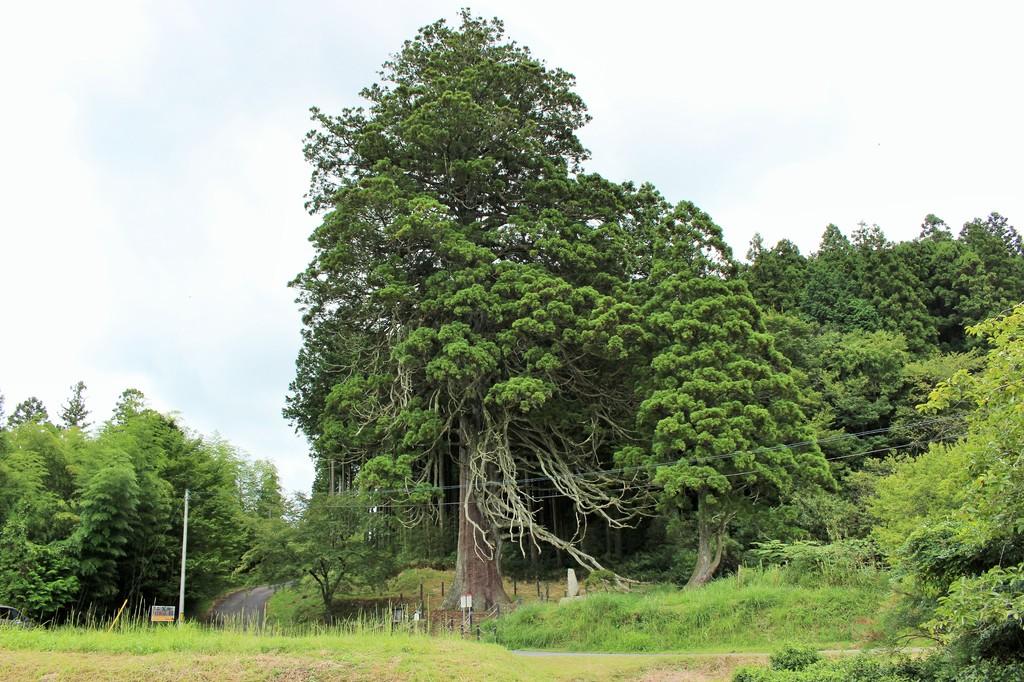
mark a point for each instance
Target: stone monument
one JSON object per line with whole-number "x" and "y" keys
{"x": 572, "y": 586}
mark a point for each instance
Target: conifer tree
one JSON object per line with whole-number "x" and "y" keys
{"x": 130, "y": 403}
{"x": 719, "y": 401}
{"x": 74, "y": 413}
{"x": 467, "y": 292}
{"x": 990, "y": 273}
{"x": 933, "y": 257}
{"x": 892, "y": 288}
{"x": 776, "y": 276}
{"x": 835, "y": 282}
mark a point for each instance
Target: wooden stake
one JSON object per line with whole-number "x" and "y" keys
{"x": 114, "y": 622}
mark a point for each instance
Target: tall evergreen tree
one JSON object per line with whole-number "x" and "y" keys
{"x": 991, "y": 270}
{"x": 933, "y": 257}
{"x": 776, "y": 277}
{"x": 74, "y": 413}
{"x": 475, "y": 289}
{"x": 719, "y": 401}
{"x": 892, "y": 288}
{"x": 833, "y": 295}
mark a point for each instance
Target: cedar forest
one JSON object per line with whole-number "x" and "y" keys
{"x": 512, "y": 366}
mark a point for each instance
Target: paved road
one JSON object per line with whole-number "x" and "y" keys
{"x": 246, "y": 607}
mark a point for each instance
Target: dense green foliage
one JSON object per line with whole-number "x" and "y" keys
{"x": 344, "y": 543}
{"x": 951, "y": 524}
{"x": 89, "y": 519}
{"x": 853, "y": 669}
{"x": 794, "y": 657}
{"x": 875, "y": 668}
{"x": 967, "y": 550}
{"x": 927, "y": 290}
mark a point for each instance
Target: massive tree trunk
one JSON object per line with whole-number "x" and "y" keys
{"x": 710, "y": 542}
{"x": 478, "y": 556}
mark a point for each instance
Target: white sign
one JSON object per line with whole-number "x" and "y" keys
{"x": 466, "y": 601}
{"x": 161, "y": 614}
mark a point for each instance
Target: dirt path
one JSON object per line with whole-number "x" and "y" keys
{"x": 247, "y": 607}
{"x": 832, "y": 653}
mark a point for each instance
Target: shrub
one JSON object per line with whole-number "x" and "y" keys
{"x": 990, "y": 671}
{"x": 794, "y": 657}
{"x": 860, "y": 669}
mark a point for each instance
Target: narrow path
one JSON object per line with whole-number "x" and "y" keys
{"x": 708, "y": 654}
{"x": 245, "y": 607}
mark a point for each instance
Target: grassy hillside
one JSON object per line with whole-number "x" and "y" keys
{"x": 752, "y": 612}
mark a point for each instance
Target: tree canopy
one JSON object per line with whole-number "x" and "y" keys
{"x": 476, "y": 299}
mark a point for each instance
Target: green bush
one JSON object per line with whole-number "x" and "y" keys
{"x": 990, "y": 671}
{"x": 938, "y": 667}
{"x": 794, "y": 657}
{"x": 859, "y": 669}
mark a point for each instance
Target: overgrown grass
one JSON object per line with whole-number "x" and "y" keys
{"x": 752, "y": 611}
{"x": 143, "y": 638}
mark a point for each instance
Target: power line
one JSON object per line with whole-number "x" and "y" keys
{"x": 410, "y": 505}
{"x": 693, "y": 461}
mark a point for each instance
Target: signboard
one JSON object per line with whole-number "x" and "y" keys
{"x": 466, "y": 601}
{"x": 161, "y": 614}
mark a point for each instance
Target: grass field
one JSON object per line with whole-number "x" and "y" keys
{"x": 195, "y": 652}
{"x": 754, "y": 611}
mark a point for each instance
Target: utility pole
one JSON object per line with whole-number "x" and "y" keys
{"x": 184, "y": 548}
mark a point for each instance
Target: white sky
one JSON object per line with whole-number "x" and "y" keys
{"x": 151, "y": 175}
